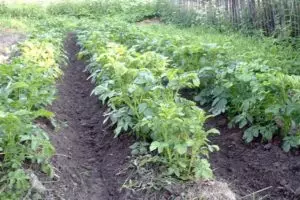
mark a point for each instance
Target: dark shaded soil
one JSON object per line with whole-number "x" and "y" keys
{"x": 88, "y": 160}
{"x": 253, "y": 167}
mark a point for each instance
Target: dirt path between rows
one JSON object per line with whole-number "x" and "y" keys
{"x": 88, "y": 158}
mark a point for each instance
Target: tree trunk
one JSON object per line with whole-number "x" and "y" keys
{"x": 252, "y": 13}
{"x": 234, "y": 13}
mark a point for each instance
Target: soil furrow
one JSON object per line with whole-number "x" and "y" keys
{"x": 88, "y": 157}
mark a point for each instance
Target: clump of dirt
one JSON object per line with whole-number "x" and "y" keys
{"x": 263, "y": 170}
{"x": 88, "y": 158}
{"x": 8, "y": 41}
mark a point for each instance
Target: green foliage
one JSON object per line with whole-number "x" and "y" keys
{"x": 263, "y": 99}
{"x": 138, "y": 72}
{"x": 22, "y": 10}
{"x": 173, "y": 14}
{"x": 271, "y": 18}
{"x": 131, "y": 11}
{"x": 27, "y": 85}
{"x": 258, "y": 97}
{"x": 131, "y": 84}
{"x": 236, "y": 47}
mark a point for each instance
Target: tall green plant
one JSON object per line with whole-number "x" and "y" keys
{"x": 142, "y": 93}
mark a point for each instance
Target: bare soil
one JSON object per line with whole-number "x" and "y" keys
{"x": 88, "y": 158}
{"x": 249, "y": 168}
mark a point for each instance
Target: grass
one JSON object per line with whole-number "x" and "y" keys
{"x": 15, "y": 24}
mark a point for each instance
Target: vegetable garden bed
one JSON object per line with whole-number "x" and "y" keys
{"x": 164, "y": 100}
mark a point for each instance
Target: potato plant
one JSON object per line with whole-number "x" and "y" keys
{"x": 262, "y": 99}
{"x": 141, "y": 89}
{"x": 27, "y": 85}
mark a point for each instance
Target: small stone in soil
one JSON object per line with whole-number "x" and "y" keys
{"x": 91, "y": 160}
{"x": 88, "y": 167}
{"x": 283, "y": 182}
{"x": 276, "y": 164}
{"x": 268, "y": 146}
{"x": 85, "y": 124}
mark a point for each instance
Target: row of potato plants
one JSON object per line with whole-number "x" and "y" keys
{"x": 141, "y": 91}
{"x": 27, "y": 86}
{"x": 262, "y": 99}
